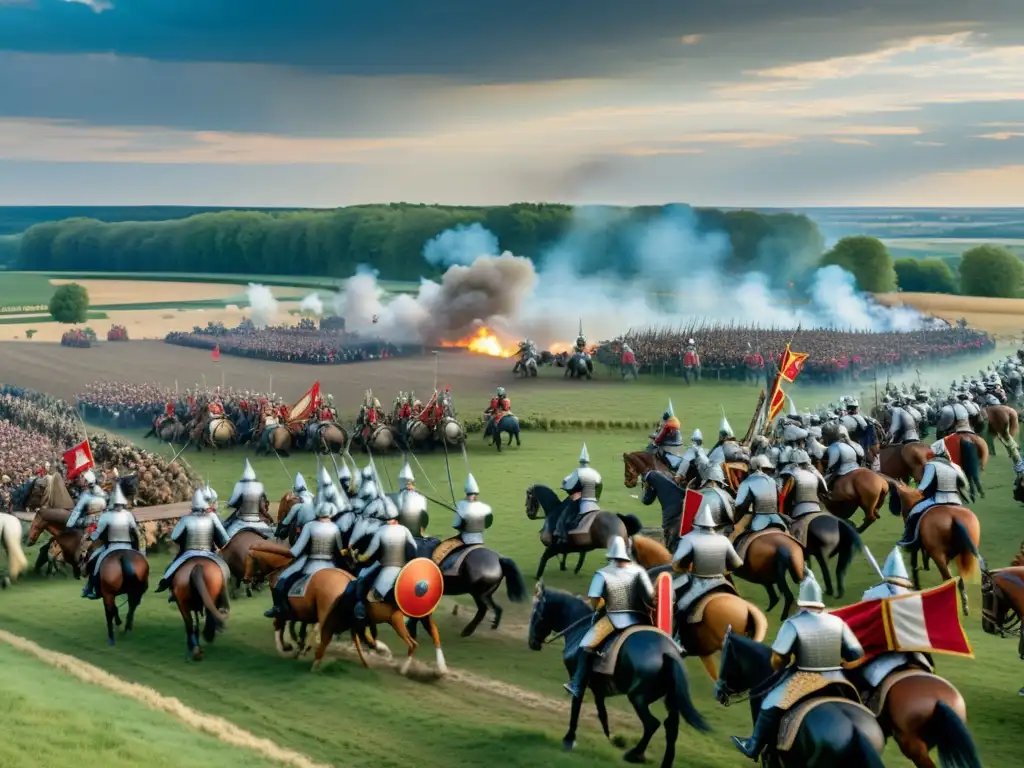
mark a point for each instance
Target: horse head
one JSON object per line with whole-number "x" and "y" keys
{"x": 43, "y": 521}
{"x": 539, "y": 629}
{"x": 636, "y": 464}
{"x": 744, "y": 664}
{"x": 532, "y": 503}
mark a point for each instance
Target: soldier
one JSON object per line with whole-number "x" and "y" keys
{"x": 712, "y": 556}
{"x": 712, "y": 488}
{"x": 412, "y": 505}
{"x": 758, "y": 495}
{"x": 584, "y": 486}
{"x": 472, "y": 516}
{"x": 325, "y": 488}
{"x": 942, "y": 482}
{"x": 368, "y": 489}
{"x": 793, "y": 438}
{"x": 695, "y": 450}
{"x": 196, "y": 535}
{"x": 318, "y": 544}
{"x": 954, "y": 417}
{"x": 91, "y": 504}
{"x": 842, "y": 455}
{"x": 246, "y": 500}
{"x": 300, "y": 514}
{"x": 299, "y": 489}
{"x": 627, "y": 593}
{"x": 331, "y": 409}
{"x": 669, "y": 439}
{"x": 392, "y": 547}
{"x": 727, "y": 449}
{"x": 819, "y": 642}
{"x": 117, "y": 529}
{"x": 903, "y": 428}
{"x": 499, "y": 406}
{"x": 807, "y": 485}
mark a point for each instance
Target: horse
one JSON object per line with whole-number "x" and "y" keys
{"x": 525, "y": 366}
{"x": 904, "y": 461}
{"x": 236, "y": 555}
{"x": 123, "y": 572}
{"x": 169, "y": 431}
{"x": 219, "y": 433}
{"x": 450, "y": 432}
{"x": 831, "y": 734}
{"x": 278, "y": 439}
{"x": 648, "y": 667}
{"x": 381, "y": 439}
{"x": 54, "y": 522}
{"x": 415, "y": 433}
{"x": 604, "y": 526}
{"x": 579, "y": 366}
{"x": 508, "y": 424}
{"x": 858, "y": 489}
{"x": 198, "y": 587}
{"x": 945, "y": 532}
{"x": 999, "y": 421}
{"x": 662, "y": 487}
{"x": 638, "y": 463}
{"x": 10, "y": 537}
{"x": 974, "y": 458}
{"x": 1002, "y": 603}
{"x": 327, "y": 438}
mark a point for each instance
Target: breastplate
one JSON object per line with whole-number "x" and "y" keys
{"x": 819, "y": 643}
{"x": 589, "y": 480}
{"x": 323, "y": 539}
{"x": 249, "y": 509}
{"x": 733, "y": 451}
{"x": 709, "y": 554}
{"x": 392, "y": 546}
{"x": 806, "y": 486}
{"x": 96, "y": 504}
{"x": 474, "y": 516}
{"x": 199, "y": 533}
{"x": 946, "y": 478}
{"x": 411, "y": 505}
{"x": 763, "y": 490}
{"x": 119, "y": 527}
{"x": 622, "y": 589}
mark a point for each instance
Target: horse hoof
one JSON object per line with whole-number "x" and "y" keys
{"x": 633, "y": 757}
{"x": 110, "y": 641}
{"x": 568, "y": 745}
{"x": 404, "y": 669}
{"x": 5, "y": 582}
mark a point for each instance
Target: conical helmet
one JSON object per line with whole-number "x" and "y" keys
{"x": 895, "y": 571}
{"x": 248, "y": 474}
{"x": 584, "y": 456}
{"x": 368, "y": 472}
{"x": 211, "y": 495}
{"x": 300, "y": 483}
{"x": 724, "y": 429}
{"x": 670, "y": 410}
{"x": 323, "y": 477}
{"x": 704, "y": 519}
{"x": 405, "y": 475}
{"x": 471, "y": 488}
{"x": 712, "y": 470}
{"x": 326, "y": 508}
{"x": 697, "y": 436}
{"x": 388, "y": 510}
{"x": 617, "y": 549}
{"x": 117, "y": 498}
{"x": 810, "y": 592}
{"x": 199, "y": 502}
{"x": 344, "y": 473}
{"x": 792, "y": 408}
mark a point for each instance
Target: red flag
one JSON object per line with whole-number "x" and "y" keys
{"x": 304, "y": 407}
{"x": 79, "y": 459}
{"x": 928, "y": 622}
{"x": 791, "y": 365}
{"x": 691, "y": 506}
{"x": 216, "y": 354}
{"x": 953, "y": 448}
{"x": 778, "y": 400}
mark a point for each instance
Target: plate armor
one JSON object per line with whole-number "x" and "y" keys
{"x": 712, "y": 555}
{"x": 954, "y": 418}
{"x": 842, "y": 458}
{"x": 904, "y": 426}
{"x": 118, "y": 530}
{"x": 627, "y": 592}
{"x": 197, "y": 535}
{"x": 472, "y": 518}
{"x": 721, "y": 505}
{"x": 392, "y": 543}
{"x": 941, "y": 482}
{"x": 807, "y": 484}
{"x": 412, "y": 511}
{"x": 319, "y": 542}
{"x": 728, "y": 451}
{"x": 246, "y": 500}
{"x": 589, "y": 481}
{"x": 90, "y": 506}
{"x": 761, "y": 493}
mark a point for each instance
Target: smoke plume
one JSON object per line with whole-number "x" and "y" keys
{"x": 671, "y": 273}
{"x": 312, "y": 305}
{"x": 263, "y": 306}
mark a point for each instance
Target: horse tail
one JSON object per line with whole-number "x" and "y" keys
{"x": 130, "y": 579}
{"x": 951, "y": 737}
{"x": 971, "y": 463}
{"x": 849, "y": 542}
{"x": 197, "y": 583}
{"x": 868, "y": 755}
{"x": 784, "y": 564}
{"x": 11, "y": 534}
{"x": 757, "y": 623}
{"x": 1012, "y": 423}
{"x": 967, "y": 553}
{"x": 678, "y": 695}
{"x": 514, "y": 584}
{"x": 632, "y": 523}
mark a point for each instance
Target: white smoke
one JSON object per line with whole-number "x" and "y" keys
{"x": 678, "y": 276}
{"x": 312, "y": 305}
{"x": 262, "y": 305}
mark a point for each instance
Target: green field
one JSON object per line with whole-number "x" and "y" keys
{"x": 954, "y": 246}
{"x": 24, "y": 289}
{"x": 346, "y": 715}
{"x": 21, "y": 319}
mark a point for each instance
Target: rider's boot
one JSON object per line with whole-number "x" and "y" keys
{"x": 89, "y": 592}
{"x": 584, "y": 662}
{"x": 764, "y": 730}
{"x": 280, "y": 596}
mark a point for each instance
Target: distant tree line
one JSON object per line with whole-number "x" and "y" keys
{"x": 390, "y": 238}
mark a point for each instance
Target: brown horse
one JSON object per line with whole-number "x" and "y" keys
{"x": 123, "y": 572}
{"x": 331, "y": 438}
{"x": 279, "y": 440}
{"x": 54, "y": 522}
{"x": 638, "y": 464}
{"x": 999, "y": 421}
{"x": 198, "y": 587}
{"x": 1002, "y": 603}
{"x": 904, "y": 461}
{"x": 859, "y": 489}
{"x": 236, "y": 555}
{"x": 946, "y": 532}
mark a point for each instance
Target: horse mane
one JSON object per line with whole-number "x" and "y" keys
{"x": 575, "y": 604}
{"x": 751, "y": 646}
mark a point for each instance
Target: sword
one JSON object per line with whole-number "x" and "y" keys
{"x": 871, "y": 559}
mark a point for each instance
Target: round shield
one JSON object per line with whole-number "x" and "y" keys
{"x": 418, "y": 588}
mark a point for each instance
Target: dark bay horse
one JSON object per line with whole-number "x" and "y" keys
{"x": 860, "y": 489}
{"x": 638, "y": 463}
{"x": 605, "y": 526}
{"x": 649, "y": 667}
{"x": 123, "y": 572}
{"x": 835, "y": 733}
{"x": 946, "y": 532}
{"x": 1002, "y": 603}
{"x": 236, "y": 555}
{"x": 904, "y": 461}
{"x": 54, "y": 522}
{"x": 198, "y": 588}
{"x": 661, "y": 486}
{"x": 509, "y": 425}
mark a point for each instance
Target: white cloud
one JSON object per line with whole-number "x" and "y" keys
{"x": 1000, "y": 135}
{"x": 854, "y": 142}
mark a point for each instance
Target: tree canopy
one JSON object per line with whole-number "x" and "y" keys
{"x": 990, "y": 270}
{"x": 930, "y": 275}
{"x": 70, "y": 303}
{"x": 390, "y": 238}
{"x": 867, "y": 259}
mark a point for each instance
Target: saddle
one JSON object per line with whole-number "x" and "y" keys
{"x": 608, "y": 655}
{"x": 800, "y": 526}
{"x": 445, "y": 548}
{"x": 695, "y": 613}
{"x": 451, "y": 563}
{"x": 789, "y": 727}
{"x": 298, "y": 587}
{"x": 876, "y": 703}
{"x": 580, "y": 530}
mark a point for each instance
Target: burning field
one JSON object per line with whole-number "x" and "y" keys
{"x": 484, "y": 342}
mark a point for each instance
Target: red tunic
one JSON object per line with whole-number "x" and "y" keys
{"x": 215, "y": 409}
{"x": 628, "y": 358}
{"x": 169, "y": 409}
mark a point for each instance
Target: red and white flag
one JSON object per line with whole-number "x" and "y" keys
{"x": 927, "y": 621}
{"x": 78, "y": 459}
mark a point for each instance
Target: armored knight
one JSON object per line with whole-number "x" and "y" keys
{"x": 728, "y": 448}
{"x": 903, "y": 428}
{"x": 299, "y": 489}
{"x": 196, "y": 535}
{"x": 581, "y": 342}
{"x": 627, "y": 593}
{"x": 690, "y": 456}
{"x": 758, "y": 495}
{"x": 472, "y": 516}
{"x": 246, "y": 500}
{"x": 807, "y": 484}
{"x": 793, "y": 438}
{"x": 372, "y": 516}
{"x": 954, "y": 417}
{"x": 499, "y": 406}
{"x": 942, "y": 482}
{"x": 118, "y": 530}
{"x": 317, "y": 547}
{"x": 368, "y": 488}
{"x": 668, "y": 439}
{"x": 841, "y": 456}
{"x": 345, "y": 480}
{"x": 584, "y": 486}
{"x": 91, "y": 504}
{"x": 712, "y": 556}
{"x": 391, "y": 548}
{"x": 412, "y": 505}
{"x": 300, "y": 514}
{"x": 712, "y": 488}
{"x": 818, "y": 642}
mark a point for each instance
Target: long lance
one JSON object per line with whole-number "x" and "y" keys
{"x": 286, "y": 472}
{"x": 874, "y": 563}
{"x": 424, "y": 471}
{"x": 448, "y": 469}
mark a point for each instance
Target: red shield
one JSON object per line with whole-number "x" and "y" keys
{"x": 691, "y": 506}
{"x": 953, "y": 448}
{"x": 418, "y": 588}
{"x": 665, "y": 596}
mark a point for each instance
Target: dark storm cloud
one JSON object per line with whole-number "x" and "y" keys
{"x": 530, "y": 39}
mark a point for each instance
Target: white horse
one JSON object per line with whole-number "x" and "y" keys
{"x": 10, "y": 537}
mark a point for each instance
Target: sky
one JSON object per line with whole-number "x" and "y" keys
{"x": 324, "y": 103}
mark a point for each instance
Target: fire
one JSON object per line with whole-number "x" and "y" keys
{"x": 483, "y": 342}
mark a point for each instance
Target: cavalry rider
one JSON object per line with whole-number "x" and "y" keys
{"x": 626, "y": 591}
{"x": 392, "y": 547}
{"x": 317, "y": 546}
{"x": 584, "y": 487}
{"x": 324, "y": 414}
{"x": 807, "y": 484}
{"x": 91, "y": 504}
{"x": 412, "y": 505}
{"x": 942, "y": 482}
{"x": 903, "y": 428}
{"x": 712, "y": 556}
{"x": 727, "y": 449}
{"x": 695, "y": 450}
{"x": 580, "y": 348}
{"x": 433, "y": 411}
{"x": 118, "y": 530}
{"x": 330, "y": 409}
{"x": 896, "y": 582}
{"x": 345, "y": 480}
{"x": 500, "y": 406}
{"x": 669, "y": 439}
{"x": 404, "y": 407}
{"x": 196, "y": 535}
{"x": 794, "y": 437}
{"x": 954, "y": 417}
{"x": 301, "y": 513}
{"x": 758, "y": 495}
{"x": 854, "y": 421}
{"x": 472, "y": 518}
{"x": 712, "y": 488}
{"x": 819, "y": 643}
{"x": 842, "y": 453}
{"x": 370, "y": 413}
{"x": 368, "y": 488}
{"x": 246, "y": 500}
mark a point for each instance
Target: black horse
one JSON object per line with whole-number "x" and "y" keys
{"x": 509, "y": 425}
{"x": 660, "y": 486}
{"x": 649, "y": 667}
{"x": 479, "y": 576}
{"x": 605, "y": 527}
{"x": 579, "y": 366}
{"x": 832, "y": 734}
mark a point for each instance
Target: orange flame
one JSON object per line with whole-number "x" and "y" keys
{"x": 483, "y": 342}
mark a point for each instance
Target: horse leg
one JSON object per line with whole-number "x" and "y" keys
{"x": 943, "y": 565}
{"x": 671, "y": 735}
{"x": 359, "y": 649}
{"x": 562, "y": 566}
{"x": 914, "y": 569}
{"x": 548, "y": 554}
{"x": 650, "y": 723}
{"x": 579, "y": 563}
{"x": 325, "y": 639}
{"x": 773, "y": 599}
{"x": 602, "y": 714}
{"x": 825, "y": 575}
{"x": 517, "y": 440}
{"x": 398, "y": 624}
{"x": 133, "y": 602}
{"x": 193, "y": 651}
{"x": 488, "y": 598}
{"x": 481, "y": 611}
{"x": 442, "y": 666}
{"x": 108, "y": 610}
